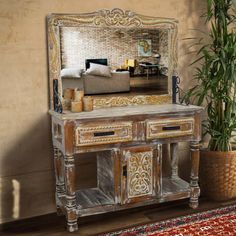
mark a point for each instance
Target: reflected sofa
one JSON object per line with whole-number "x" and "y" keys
{"x": 94, "y": 84}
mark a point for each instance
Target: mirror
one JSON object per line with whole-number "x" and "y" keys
{"x": 118, "y": 57}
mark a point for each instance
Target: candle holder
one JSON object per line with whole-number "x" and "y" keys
{"x": 76, "y": 106}
{"x": 87, "y": 103}
{"x": 68, "y": 93}
{"x": 78, "y": 95}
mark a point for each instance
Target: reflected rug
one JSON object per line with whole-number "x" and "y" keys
{"x": 221, "y": 221}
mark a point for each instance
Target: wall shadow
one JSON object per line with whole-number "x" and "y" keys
{"x": 197, "y": 30}
{"x": 27, "y": 178}
{"x": 187, "y": 41}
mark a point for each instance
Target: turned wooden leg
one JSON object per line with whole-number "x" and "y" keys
{"x": 174, "y": 160}
{"x": 159, "y": 171}
{"x": 60, "y": 185}
{"x": 194, "y": 187}
{"x": 71, "y": 209}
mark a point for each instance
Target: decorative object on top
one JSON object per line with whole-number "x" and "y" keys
{"x": 87, "y": 103}
{"x": 216, "y": 85}
{"x": 72, "y": 99}
{"x": 76, "y": 103}
{"x": 66, "y": 104}
{"x": 76, "y": 106}
{"x": 78, "y": 95}
{"x": 68, "y": 93}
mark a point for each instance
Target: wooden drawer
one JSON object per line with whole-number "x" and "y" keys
{"x": 174, "y": 127}
{"x": 103, "y": 133}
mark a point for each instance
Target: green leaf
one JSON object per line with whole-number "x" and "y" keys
{"x": 215, "y": 74}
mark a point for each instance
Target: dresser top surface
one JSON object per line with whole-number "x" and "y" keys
{"x": 115, "y": 112}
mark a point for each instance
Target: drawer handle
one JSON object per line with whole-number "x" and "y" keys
{"x": 166, "y": 128}
{"x": 125, "y": 171}
{"x": 100, "y": 134}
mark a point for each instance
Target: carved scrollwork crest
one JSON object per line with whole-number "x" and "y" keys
{"x": 117, "y": 101}
{"x": 117, "y": 17}
{"x": 110, "y": 18}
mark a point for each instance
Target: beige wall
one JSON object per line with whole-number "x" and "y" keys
{"x": 26, "y": 167}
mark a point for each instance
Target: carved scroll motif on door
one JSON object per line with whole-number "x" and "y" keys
{"x": 140, "y": 174}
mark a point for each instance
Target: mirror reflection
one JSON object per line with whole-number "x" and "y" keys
{"x": 103, "y": 61}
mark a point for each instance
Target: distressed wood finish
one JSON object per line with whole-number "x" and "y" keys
{"x": 141, "y": 112}
{"x": 69, "y": 137}
{"x": 195, "y": 189}
{"x": 173, "y": 189}
{"x": 169, "y": 128}
{"x": 158, "y": 171}
{"x": 117, "y": 174}
{"x": 89, "y": 198}
{"x": 105, "y": 173}
{"x": 128, "y": 146}
{"x": 112, "y": 19}
{"x": 60, "y": 185}
{"x": 174, "y": 160}
{"x": 100, "y": 133}
{"x": 120, "y": 101}
{"x": 138, "y": 173}
{"x": 70, "y": 205}
{"x": 125, "y": 133}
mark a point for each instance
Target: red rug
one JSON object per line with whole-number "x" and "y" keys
{"x": 220, "y": 221}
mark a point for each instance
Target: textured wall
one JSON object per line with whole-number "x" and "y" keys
{"x": 117, "y": 45}
{"x": 163, "y": 47}
{"x": 26, "y": 173}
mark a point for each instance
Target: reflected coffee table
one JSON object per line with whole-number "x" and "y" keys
{"x": 149, "y": 68}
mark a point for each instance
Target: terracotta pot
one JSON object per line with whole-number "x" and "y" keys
{"x": 218, "y": 174}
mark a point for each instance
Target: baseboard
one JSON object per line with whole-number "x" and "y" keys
{"x": 52, "y": 219}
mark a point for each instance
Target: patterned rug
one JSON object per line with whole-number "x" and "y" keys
{"x": 220, "y": 221}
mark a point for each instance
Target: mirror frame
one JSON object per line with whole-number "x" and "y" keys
{"x": 110, "y": 18}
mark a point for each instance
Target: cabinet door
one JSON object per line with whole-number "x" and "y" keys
{"x": 139, "y": 174}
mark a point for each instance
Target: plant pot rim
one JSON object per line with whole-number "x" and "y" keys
{"x": 207, "y": 150}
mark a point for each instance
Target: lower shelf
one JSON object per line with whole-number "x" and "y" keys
{"x": 95, "y": 201}
{"x": 92, "y": 197}
{"x": 174, "y": 188}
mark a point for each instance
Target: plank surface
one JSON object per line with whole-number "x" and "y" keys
{"x": 172, "y": 186}
{"x": 92, "y": 197}
{"x": 105, "y": 173}
{"x": 128, "y": 111}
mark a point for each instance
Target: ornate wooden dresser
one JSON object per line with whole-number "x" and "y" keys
{"x": 128, "y": 143}
{"x": 125, "y": 132}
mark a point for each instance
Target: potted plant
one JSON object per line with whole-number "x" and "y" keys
{"x": 216, "y": 88}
